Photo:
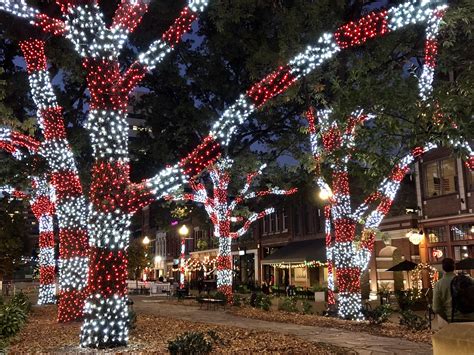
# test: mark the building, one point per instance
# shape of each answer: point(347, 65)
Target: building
point(445, 195)
point(271, 251)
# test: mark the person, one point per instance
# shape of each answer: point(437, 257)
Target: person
point(442, 301)
point(453, 296)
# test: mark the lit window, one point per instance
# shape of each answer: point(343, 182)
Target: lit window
point(462, 232)
point(440, 177)
point(436, 234)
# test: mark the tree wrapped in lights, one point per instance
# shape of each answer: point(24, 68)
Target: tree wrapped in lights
point(221, 208)
point(332, 143)
point(70, 202)
point(113, 198)
point(42, 201)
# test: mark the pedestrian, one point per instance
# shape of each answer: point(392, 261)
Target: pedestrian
point(443, 298)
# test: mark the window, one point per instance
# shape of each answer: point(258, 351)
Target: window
point(284, 220)
point(266, 224)
point(462, 232)
point(437, 254)
point(276, 223)
point(470, 179)
point(462, 252)
point(437, 234)
point(440, 177)
point(271, 218)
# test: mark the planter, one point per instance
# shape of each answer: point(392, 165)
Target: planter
point(320, 296)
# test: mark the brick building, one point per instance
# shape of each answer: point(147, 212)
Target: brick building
point(445, 195)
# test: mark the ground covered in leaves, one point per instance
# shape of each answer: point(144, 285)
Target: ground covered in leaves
point(391, 330)
point(43, 334)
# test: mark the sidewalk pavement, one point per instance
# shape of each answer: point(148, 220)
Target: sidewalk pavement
point(360, 343)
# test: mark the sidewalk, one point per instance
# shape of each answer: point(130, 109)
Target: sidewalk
point(361, 343)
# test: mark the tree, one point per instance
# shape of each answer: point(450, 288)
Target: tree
point(138, 259)
point(13, 236)
point(221, 208)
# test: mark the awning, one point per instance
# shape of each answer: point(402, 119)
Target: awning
point(299, 252)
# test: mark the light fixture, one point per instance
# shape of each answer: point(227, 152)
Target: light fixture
point(415, 237)
point(146, 240)
point(157, 259)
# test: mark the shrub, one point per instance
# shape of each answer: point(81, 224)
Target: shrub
point(12, 318)
point(132, 319)
point(237, 301)
point(288, 305)
point(22, 301)
point(263, 302)
point(190, 343)
point(307, 307)
point(242, 289)
point(379, 314)
point(413, 321)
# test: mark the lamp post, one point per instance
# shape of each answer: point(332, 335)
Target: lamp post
point(183, 231)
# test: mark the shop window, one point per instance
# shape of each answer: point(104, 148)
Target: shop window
point(462, 252)
point(437, 234)
point(437, 254)
point(440, 177)
point(462, 232)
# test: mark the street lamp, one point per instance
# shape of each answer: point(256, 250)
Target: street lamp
point(146, 240)
point(183, 232)
point(325, 194)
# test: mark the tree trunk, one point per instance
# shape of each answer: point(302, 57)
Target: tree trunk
point(224, 264)
point(348, 270)
point(106, 311)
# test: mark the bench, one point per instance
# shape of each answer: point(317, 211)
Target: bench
point(210, 303)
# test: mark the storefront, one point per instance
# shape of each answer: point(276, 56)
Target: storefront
point(301, 263)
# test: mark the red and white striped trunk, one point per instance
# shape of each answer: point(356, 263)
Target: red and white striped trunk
point(70, 203)
point(43, 209)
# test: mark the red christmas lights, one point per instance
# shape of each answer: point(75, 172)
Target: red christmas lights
point(180, 26)
point(129, 14)
point(356, 33)
point(50, 25)
point(108, 272)
point(271, 86)
point(201, 157)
